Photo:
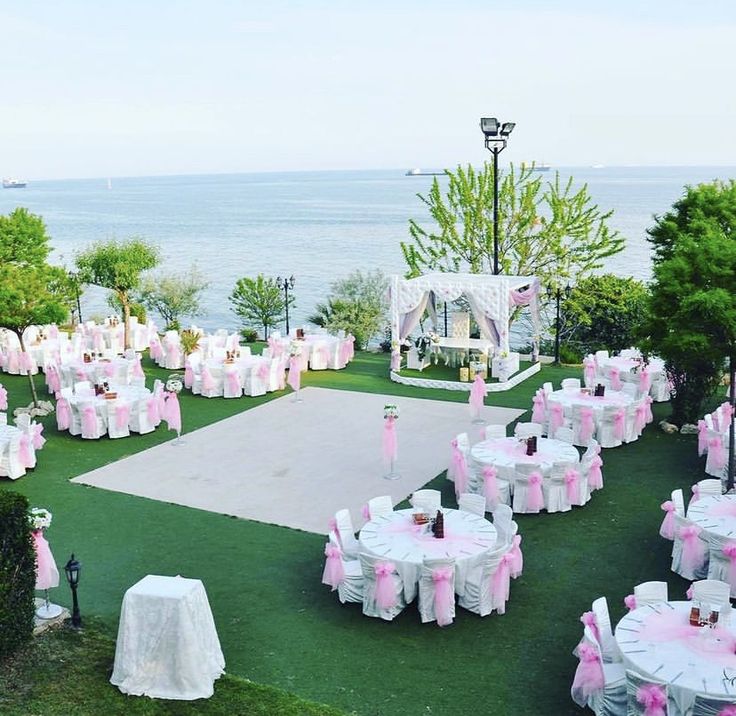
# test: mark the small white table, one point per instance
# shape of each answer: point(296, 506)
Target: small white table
point(167, 646)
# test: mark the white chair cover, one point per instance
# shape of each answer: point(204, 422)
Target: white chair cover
point(475, 504)
point(370, 606)
point(650, 593)
point(429, 500)
point(634, 682)
point(428, 585)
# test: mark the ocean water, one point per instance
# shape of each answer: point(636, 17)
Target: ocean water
point(318, 226)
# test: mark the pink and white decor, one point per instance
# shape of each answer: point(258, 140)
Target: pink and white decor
point(505, 453)
point(390, 441)
point(647, 377)
point(319, 351)
point(47, 574)
point(18, 446)
point(688, 662)
point(243, 375)
point(118, 370)
point(713, 437)
point(171, 410)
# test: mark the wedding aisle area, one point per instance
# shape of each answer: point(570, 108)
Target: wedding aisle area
point(295, 464)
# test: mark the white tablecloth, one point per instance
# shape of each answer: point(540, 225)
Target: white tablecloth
point(126, 394)
point(715, 514)
point(243, 365)
point(504, 453)
point(658, 642)
point(7, 433)
point(396, 538)
point(167, 645)
point(568, 398)
point(116, 370)
point(655, 366)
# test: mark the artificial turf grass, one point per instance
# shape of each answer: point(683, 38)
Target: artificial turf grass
point(277, 623)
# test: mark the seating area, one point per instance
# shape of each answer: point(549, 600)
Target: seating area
point(629, 371)
point(713, 437)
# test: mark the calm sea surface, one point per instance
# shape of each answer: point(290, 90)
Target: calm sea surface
point(318, 226)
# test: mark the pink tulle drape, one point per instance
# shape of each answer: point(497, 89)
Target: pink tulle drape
point(37, 437)
point(172, 411)
point(589, 677)
point(667, 528)
point(645, 381)
point(208, 381)
point(715, 445)
point(630, 602)
point(595, 476)
point(572, 486)
point(122, 415)
point(3, 398)
point(63, 413)
point(47, 574)
point(89, 420)
point(24, 454)
point(385, 590)
point(389, 443)
point(589, 372)
point(538, 409)
point(501, 583)
point(153, 408)
point(615, 376)
point(556, 418)
point(334, 571)
point(587, 425)
point(490, 486)
point(478, 392)
point(517, 558)
point(188, 375)
point(619, 421)
point(693, 548)
point(444, 596)
point(534, 494)
point(589, 620)
point(728, 711)
point(295, 375)
point(459, 469)
point(263, 371)
point(233, 382)
point(653, 698)
point(648, 400)
point(702, 437)
point(138, 368)
point(640, 418)
point(729, 551)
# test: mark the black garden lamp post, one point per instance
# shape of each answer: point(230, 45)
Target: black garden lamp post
point(72, 570)
point(286, 285)
point(74, 278)
point(496, 135)
point(558, 295)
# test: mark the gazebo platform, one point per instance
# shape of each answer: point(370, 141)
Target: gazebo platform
point(492, 387)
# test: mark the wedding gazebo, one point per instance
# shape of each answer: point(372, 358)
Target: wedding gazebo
point(491, 299)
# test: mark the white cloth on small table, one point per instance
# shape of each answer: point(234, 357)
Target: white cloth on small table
point(167, 646)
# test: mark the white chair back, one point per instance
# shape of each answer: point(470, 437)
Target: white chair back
point(679, 502)
point(503, 521)
point(710, 487)
point(601, 356)
point(603, 620)
point(494, 432)
point(346, 532)
point(712, 592)
point(650, 593)
point(526, 430)
point(571, 385)
point(475, 504)
point(429, 500)
point(378, 506)
point(370, 606)
point(566, 435)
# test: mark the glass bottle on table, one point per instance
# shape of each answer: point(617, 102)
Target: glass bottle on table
point(695, 614)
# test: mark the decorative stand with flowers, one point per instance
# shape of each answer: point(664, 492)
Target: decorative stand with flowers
point(390, 444)
point(172, 409)
point(295, 369)
point(47, 574)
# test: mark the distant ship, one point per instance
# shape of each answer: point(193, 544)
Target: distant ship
point(13, 183)
point(419, 173)
point(598, 166)
point(541, 167)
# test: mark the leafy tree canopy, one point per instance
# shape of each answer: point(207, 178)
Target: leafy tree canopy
point(23, 239)
point(259, 302)
point(173, 296)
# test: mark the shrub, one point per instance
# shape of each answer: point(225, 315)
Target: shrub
point(17, 573)
point(249, 335)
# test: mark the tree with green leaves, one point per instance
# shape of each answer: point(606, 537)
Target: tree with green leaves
point(174, 296)
point(118, 266)
point(259, 302)
point(357, 304)
point(692, 316)
point(23, 239)
point(552, 231)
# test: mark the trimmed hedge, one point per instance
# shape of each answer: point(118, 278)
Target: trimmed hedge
point(17, 573)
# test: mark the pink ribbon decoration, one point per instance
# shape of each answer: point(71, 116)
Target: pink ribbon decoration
point(89, 420)
point(589, 620)
point(478, 392)
point(233, 382)
point(13, 363)
point(693, 549)
point(156, 351)
point(188, 375)
point(52, 379)
point(208, 382)
point(366, 512)
point(3, 398)
point(534, 495)
point(37, 436)
point(702, 437)
point(385, 590)
point(263, 370)
point(630, 602)
point(390, 443)
point(726, 414)
point(26, 363)
point(587, 425)
point(538, 409)
point(572, 485)
point(696, 492)
point(645, 381)
point(517, 558)
point(63, 413)
point(595, 476)
point(444, 597)
point(667, 528)
point(589, 372)
point(589, 677)
point(716, 421)
point(153, 410)
point(653, 698)
point(619, 419)
point(501, 583)
point(295, 374)
point(715, 446)
point(648, 400)
point(689, 592)
point(616, 383)
point(122, 415)
point(728, 711)
point(490, 486)
point(556, 418)
point(395, 361)
point(172, 412)
point(459, 469)
point(47, 573)
point(334, 571)
point(729, 551)
point(137, 368)
point(24, 455)
point(640, 418)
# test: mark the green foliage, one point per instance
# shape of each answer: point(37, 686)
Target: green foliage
point(604, 312)
point(553, 232)
point(692, 316)
point(17, 573)
point(259, 302)
point(174, 296)
point(118, 266)
point(23, 239)
point(135, 309)
point(249, 335)
point(189, 341)
point(357, 304)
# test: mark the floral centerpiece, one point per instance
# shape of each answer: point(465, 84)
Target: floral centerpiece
point(390, 410)
point(174, 383)
point(424, 342)
point(40, 518)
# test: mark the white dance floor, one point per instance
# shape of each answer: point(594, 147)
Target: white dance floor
point(295, 464)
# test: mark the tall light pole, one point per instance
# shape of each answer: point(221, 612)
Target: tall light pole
point(557, 294)
point(496, 135)
point(286, 285)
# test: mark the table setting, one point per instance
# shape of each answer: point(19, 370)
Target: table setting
point(585, 397)
point(714, 514)
point(506, 452)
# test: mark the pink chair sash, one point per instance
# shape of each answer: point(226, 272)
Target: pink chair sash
point(3, 398)
point(538, 409)
point(572, 485)
point(589, 678)
point(645, 381)
point(615, 375)
point(589, 372)
point(295, 374)
point(365, 510)
point(630, 602)
point(459, 470)
point(619, 419)
point(63, 413)
point(534, 495)
point(263, 371)
point(444, 597)
point(587, 425)
point(156, 350)
point(188, 375)
point(702, 437)
point(122, 415)
point(137, 368)
point(595, 476)
point(233, 382)
point(490, 486)
point(729, 550)
point(695, 489)
point(208, 382)
point(478, 392)
point(501, 583)
point(715, 445)
point(589, 620)
point(24, 454)
point(517, 558)
point(152, 407)
point(726, 414)
point(172, 412)
point(52, 379)
point(25, 361)
point(689, 592)
point(716, 421)
point(728, 711)
point(653, 698)
point(667, 528)
point(389, 443)
point(385, 588)
point(693, 549)
point(334, 571)
point(556, 418)
point(89, 420)
point(37, 436)
point(13, 362)
point(640, 418)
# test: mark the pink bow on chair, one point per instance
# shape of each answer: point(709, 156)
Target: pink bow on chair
point(534, 496)
point(137, 368)
point(556, 418)
point(172, 412)
point(645, 381)
point(385, 590)
point(616, 383)
point(715, 444)
point(334, 571)
point(587, 425)
point(693, 549)
point(37, 436)
point(24, 455)
point(653, 698)
point(295, 375)
point(702, 437)
point(667, 528)
point(366, 512)
point(490, 486)
point(619, 419)
point(589, 620)
point(208, 382)
point(501, 583)
point(728, 711)
point(459, 470)
point(389, 443)
point(538, 409)
point(729, 550)
point(444, 597)
point(595, 476)
point(517, 558)
point(478, 392)
point(188, 375)
point(89, 421)
point(589, 372)
point(233, 382)
point(263, 371)
point(63, 413)
point(589, 677)
point(630, 602)
point(726, 414)
point(572, 485)
point(122, 415)
point(3, 398)
point(640, 418)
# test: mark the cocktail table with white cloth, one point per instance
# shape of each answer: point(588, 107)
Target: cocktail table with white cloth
point(570, 398)
point(397, 539)
point(657, 642)
point(715, 514)
point(167, 646)
point(504, 453)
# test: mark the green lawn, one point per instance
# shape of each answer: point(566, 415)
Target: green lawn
point(280, 627)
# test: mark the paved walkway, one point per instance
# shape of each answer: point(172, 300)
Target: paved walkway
point(295, 464)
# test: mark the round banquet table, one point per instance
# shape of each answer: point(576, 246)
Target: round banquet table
point(243, 365)
point(504, 453)
point(715, 514)
point(396, 538)
point(569, 398)
point(126, 394)
point(626, 365)
point(658, 642)
point(111, 370)
point(7, 433)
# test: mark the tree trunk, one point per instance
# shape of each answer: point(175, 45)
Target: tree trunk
point(30, 377)
point(126, 318)
point(731, 440)
point(265, 331)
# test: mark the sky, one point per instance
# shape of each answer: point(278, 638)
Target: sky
point(175, 87)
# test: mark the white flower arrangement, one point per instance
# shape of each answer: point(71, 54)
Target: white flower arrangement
point(295, 349)
point(39, 518)
point(390, 410)
point(174, 384)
